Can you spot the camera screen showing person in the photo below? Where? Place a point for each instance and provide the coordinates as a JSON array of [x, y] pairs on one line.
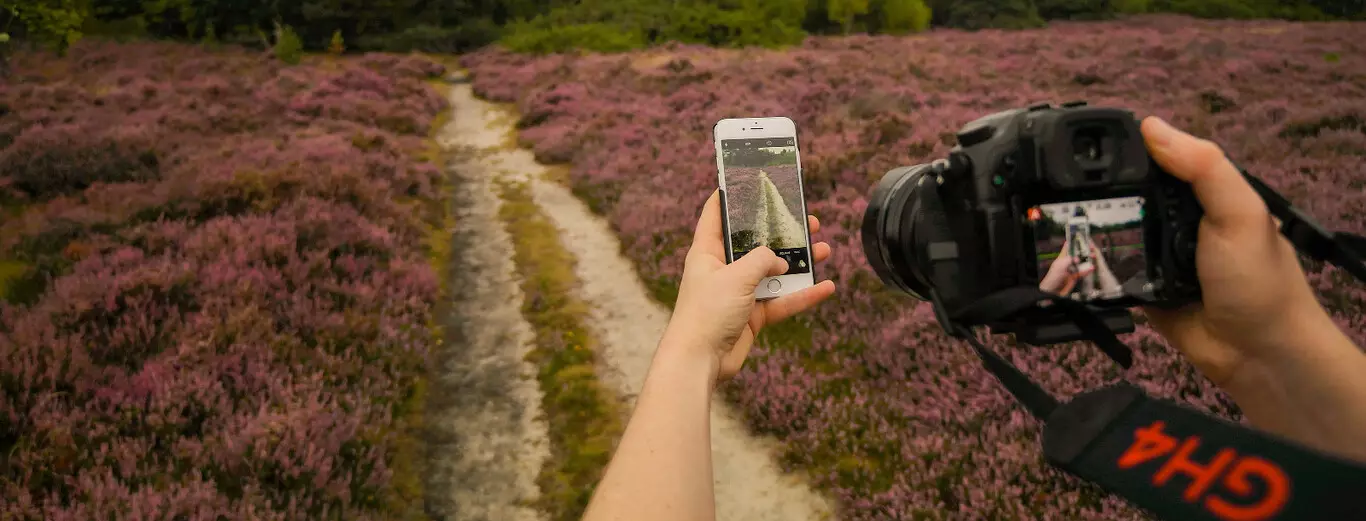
[[1091, 251], [764, 199]]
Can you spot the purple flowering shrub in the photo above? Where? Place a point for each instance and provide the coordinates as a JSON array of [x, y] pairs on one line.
[[228, 299], [872, 401]]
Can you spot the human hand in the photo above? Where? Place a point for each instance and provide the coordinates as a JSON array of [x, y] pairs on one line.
[[1256, 303], [1060, 278], [716, 315]]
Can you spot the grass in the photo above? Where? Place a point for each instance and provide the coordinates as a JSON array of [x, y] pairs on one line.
[[584, 417], [406, 493]]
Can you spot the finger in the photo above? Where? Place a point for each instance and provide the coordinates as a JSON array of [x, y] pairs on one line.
[[758, 263], [1068, 284], [785, 306], [734, 359], [820, 251], [813, 223], [1229, 201], [708, 238]]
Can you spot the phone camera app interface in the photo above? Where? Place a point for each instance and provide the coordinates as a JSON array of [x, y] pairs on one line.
[[1091, 250], [764, 199]]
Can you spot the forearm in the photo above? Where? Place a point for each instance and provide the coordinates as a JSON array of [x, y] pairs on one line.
[[1313, 393], [662, 468]]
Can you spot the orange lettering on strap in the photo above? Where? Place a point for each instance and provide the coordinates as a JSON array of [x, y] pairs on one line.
[[1149, 443], [1201, 475], [1273, 500]]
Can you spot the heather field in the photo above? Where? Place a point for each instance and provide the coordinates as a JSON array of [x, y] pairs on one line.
[[217, 292], [868, 397]]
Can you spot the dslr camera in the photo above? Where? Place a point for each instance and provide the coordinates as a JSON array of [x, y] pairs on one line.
[[1061, 198]]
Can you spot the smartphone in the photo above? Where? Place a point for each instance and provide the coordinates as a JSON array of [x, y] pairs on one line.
[[759, 172]]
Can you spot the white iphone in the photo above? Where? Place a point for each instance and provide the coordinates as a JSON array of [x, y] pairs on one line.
[[759, 173]]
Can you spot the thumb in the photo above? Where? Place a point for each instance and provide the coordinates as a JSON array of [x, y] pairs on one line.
[[758, 263], [1230, 202]]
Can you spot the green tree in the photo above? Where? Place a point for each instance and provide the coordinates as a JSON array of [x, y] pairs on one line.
[[338, 45], [288, 47], [843, 12], [904, 16], [51, 23]]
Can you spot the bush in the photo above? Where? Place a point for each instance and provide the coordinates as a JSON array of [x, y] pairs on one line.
[[1075, 9], [986, 14], [618, 25], [436, 39], [289, 49], [903, 16], [47, 161], [338, 45], [596, 37], [214, 304]]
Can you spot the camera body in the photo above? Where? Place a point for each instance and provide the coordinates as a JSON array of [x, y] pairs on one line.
[[1040, 196]]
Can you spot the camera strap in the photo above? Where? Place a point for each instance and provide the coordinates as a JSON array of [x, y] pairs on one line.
[[1174, 461]]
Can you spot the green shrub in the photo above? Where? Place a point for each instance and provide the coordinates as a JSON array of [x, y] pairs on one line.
[[596, 37], [843, 12], [986, 14], [619, 25], [288, 47], [1075, 9], [470, 34], [338, 45], [1131, 6], [121, 30], [903, 16]]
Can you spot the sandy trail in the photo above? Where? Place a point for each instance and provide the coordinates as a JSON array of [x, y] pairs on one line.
[[749, 485], [487, 442], [777, 227]]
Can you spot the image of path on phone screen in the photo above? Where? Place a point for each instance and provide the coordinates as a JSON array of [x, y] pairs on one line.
[[763, 199]]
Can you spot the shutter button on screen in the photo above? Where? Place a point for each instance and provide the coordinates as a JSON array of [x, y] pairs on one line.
[[774, 285]]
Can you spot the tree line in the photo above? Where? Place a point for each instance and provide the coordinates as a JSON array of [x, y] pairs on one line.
[[558, 25]]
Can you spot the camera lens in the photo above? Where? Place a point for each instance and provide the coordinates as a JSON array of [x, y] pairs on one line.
[[895, 210]]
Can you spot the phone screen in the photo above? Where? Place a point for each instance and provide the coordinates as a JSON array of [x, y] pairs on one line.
[[764, 199], [1092, 251]]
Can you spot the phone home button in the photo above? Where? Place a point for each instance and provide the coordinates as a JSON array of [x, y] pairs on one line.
[[774, 285]]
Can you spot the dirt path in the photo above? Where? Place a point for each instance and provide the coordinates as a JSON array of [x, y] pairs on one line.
[[487, 441], [626, 321]]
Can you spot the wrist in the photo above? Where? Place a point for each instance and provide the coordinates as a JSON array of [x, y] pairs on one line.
[[687, 357]]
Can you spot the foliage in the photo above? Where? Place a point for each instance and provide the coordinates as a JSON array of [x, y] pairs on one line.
[[614, 25], [436, 39], [589, 37], [338, 45], [288, 48], [51, 23], [869, 397], [842, 12], [215, 298], [904, 16]]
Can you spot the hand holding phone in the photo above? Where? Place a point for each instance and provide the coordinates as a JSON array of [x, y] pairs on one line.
[[759, 176]]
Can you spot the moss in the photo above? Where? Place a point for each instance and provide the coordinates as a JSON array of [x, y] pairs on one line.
[[584, 418], [790, 335], [404, 498]]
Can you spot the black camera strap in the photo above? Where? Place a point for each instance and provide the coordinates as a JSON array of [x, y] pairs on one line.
[[1176, 462]]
